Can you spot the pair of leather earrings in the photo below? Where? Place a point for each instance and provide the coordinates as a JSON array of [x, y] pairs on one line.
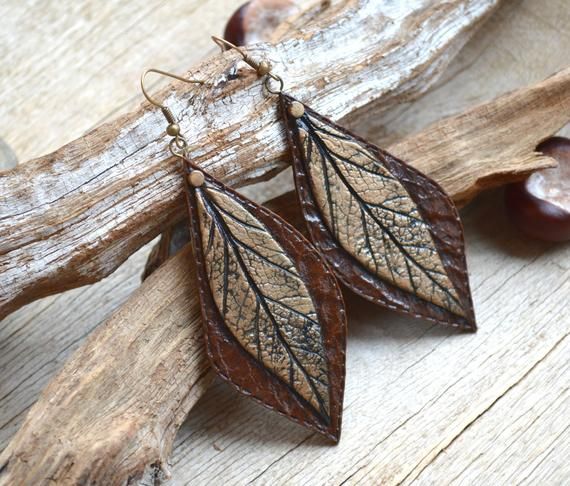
[[274, 317]]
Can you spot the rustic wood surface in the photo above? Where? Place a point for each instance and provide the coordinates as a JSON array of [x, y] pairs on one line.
[[486, 409], [71, 217], [141, 372]]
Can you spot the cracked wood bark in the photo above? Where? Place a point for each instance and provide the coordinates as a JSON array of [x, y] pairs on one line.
[[71, 217], [112, 412]]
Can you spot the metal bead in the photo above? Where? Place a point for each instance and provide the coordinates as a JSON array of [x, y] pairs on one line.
[[263, 68], [196, 178], [173, 129], [296, 109]]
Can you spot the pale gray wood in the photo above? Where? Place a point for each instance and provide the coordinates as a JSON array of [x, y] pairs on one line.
[[412, 388], [68, 66], [522, 43], [71, 217], [513, 279], [8, 159], [523, 438]]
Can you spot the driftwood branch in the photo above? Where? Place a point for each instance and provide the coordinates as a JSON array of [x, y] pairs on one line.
[[122, 398], [72, 217], [111, 414], [492, 144]]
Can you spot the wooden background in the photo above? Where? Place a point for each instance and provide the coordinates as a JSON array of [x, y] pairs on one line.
[[423, 404]]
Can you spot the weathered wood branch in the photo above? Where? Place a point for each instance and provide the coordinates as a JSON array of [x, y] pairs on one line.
[[71, 217], [121, 399], [111, 414], [505, 149]]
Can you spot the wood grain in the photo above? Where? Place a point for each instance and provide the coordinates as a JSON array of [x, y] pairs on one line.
[[154, 344], [164, 310], [69, 66], [414, 391], [530, 420], [71, 217], [228, 441]]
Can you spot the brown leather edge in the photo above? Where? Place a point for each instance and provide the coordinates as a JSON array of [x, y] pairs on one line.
[[439, 212], [234, 364]]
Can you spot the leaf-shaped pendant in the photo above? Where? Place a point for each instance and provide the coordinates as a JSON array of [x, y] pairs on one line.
[[390, 233], [274, 315]]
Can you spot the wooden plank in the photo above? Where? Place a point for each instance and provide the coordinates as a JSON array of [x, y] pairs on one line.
[[95, 56], [523, 32], [411, 388], [143, 348], [523, 438]]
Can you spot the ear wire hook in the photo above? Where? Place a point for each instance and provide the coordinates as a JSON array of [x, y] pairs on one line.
[[263, 68], [178, 143], [167, 113]]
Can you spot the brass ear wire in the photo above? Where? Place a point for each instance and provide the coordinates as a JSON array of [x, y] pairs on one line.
[[178, 143], [263, 67]]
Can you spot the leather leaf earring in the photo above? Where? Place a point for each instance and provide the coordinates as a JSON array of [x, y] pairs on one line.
[[274, 317], [389, 232]]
